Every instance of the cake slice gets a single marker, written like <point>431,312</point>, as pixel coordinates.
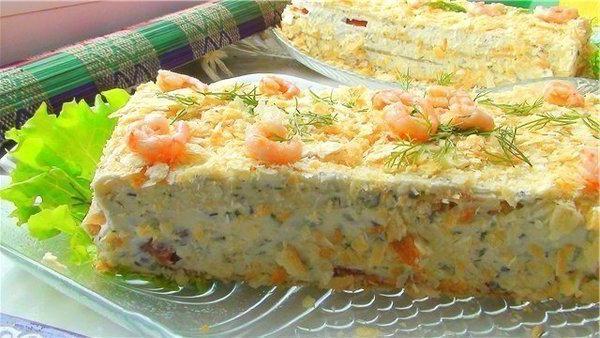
<point>481,45</point>
<point>272,184</point>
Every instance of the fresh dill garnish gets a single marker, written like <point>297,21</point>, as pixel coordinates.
<point>405,153</point>
<point>442,145</point>
<point>329,100</point>
<point>180,113</point>
<point>565,119</point>
<point>299,121</point>
<point>481,94</point>
<point>518,109</point>
<point>325,99</point>
<point>446,6</point>
<point>185,101</point>
<point>445,79</point>
<point>404,80</point>
<point>354,96</point>
<point>446,147</point>
<point>408,152</point>
<point>446,130</point>
<point>507,139</point>
<point>249,98</point>
<point>416,111</point>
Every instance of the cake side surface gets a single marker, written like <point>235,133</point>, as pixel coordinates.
<point>387,40</point>
<point>341,216</point>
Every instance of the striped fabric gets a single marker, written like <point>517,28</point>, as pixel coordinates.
<point>129,57</point>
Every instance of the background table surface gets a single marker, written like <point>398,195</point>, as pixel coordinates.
<point>25,296</point>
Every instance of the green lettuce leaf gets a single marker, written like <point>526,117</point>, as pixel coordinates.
<point>595,62</point>
<point>50,222</point>
<point>56,158</point>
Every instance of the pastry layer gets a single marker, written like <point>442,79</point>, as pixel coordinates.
<point>339,217</point>
<point>393,39</point>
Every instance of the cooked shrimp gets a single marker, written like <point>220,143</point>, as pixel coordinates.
<point>168,81</point>
<point>260,143</point>
<point>273,85</point>
<point>480,8</point>
<point>158,142</point>
<point>415,123</point>
<point>386,97</point>
<point>591,168</point>
<point>461,97</point>
<point>467,115</point>
<point>556,14</point>
<point>439,96</point>
<point>470,117</point>
<point>563,93</point>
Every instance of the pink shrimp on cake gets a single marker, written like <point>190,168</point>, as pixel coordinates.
<point>157,141</point>
<point>274,85</point>
<point>266,142</point>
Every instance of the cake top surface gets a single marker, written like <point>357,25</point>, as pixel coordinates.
<point>449,13</point>
<point>534,146</point>
<point>484,44</point>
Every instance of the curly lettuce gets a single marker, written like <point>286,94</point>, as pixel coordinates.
<point>595,62</point>
<point>56,159</point>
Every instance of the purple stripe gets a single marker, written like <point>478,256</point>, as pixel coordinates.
<point>250,27</point>
<point>176,57</point>
<point>86,92</point>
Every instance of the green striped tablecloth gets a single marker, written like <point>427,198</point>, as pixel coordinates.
<point>129,57</point>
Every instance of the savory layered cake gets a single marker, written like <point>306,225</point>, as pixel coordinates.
<point>447,194</point>
<point>480,44</point>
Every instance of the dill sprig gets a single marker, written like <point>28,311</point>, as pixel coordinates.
<point>445,79</point>
<point>405,153</point>
<point>325,99</point>
<point>446,130</point>
<point>249,98</point>
<point>299,121</point>
<point>180,113</point>
<point>329,100</point>
<point>186,101</point>
<point>572,117</point>
<point>507,139</point>
<point>404,80</point>
<point>518,109</point>
<point>446,6</point>
<point>482,93</point>
<point>354,96</point>
<point>442,145</point>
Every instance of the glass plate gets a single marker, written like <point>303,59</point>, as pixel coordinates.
<point>151,308</point>
<point>349,77</point>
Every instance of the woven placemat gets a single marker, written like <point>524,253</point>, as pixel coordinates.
<point>129,57</point>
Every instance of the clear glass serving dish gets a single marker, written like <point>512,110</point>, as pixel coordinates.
<point>150,307</point>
